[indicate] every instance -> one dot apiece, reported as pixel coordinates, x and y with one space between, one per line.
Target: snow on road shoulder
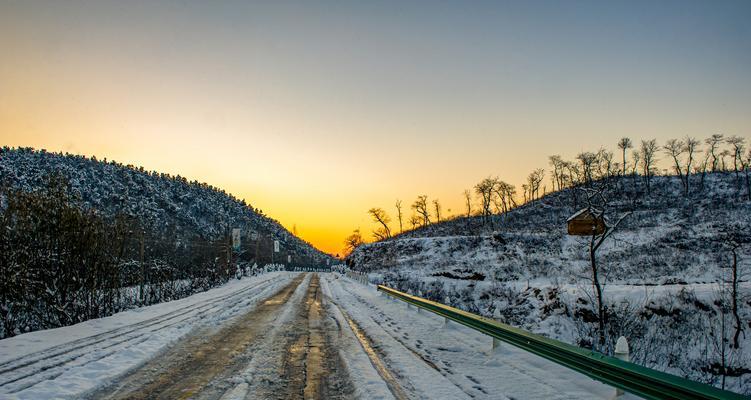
21 345
416 376
367 382
463 357
67 362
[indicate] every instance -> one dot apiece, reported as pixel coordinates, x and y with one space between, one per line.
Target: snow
70 361
464 363
158 199
368 384
424 357
151 230
266 351
665 272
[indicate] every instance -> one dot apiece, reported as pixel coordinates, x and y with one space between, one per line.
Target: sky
315 112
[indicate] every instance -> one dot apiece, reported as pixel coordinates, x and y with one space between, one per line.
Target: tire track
307 366
367 344
186 368
82 347
425 359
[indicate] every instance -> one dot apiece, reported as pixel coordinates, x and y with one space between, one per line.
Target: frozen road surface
278 336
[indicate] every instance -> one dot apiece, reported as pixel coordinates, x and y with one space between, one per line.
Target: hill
666 271
83 238
160 201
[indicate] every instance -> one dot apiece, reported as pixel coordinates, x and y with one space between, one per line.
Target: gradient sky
315 112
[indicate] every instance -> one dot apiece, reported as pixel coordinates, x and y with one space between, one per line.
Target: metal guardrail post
621 353
633 378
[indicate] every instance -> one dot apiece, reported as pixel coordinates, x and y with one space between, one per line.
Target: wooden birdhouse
586 222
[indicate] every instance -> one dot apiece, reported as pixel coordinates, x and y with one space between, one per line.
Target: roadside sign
236 238
276 246
289 259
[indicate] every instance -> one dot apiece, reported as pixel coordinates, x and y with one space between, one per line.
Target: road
286 336
282 346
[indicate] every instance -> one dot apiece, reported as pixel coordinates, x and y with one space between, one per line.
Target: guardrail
357 276
307 269
633 378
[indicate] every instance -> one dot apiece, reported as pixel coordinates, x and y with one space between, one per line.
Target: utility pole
258 242
229 253
143 272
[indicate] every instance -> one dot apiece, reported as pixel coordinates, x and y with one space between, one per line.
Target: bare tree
510 191
691 145
587 160
702 168
624 144
380 216
505 196
723 155
533 183
414 220
352 242
573 178
468 201
596 207
398 205
420 206
484 189
738 147
734 293
605 159
437 207
647 154
733 238
675 149
746 166
714 143
558 170
636 157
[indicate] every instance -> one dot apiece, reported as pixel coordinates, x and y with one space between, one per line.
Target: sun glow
315 115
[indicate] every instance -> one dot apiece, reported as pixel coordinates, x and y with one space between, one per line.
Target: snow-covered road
434 360
280 335
68 362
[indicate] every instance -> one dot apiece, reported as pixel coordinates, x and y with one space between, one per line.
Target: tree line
131 167
690 159
61 263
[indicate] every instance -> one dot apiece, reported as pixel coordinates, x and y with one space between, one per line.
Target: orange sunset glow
316 114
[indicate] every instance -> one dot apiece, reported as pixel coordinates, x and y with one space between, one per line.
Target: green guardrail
633 378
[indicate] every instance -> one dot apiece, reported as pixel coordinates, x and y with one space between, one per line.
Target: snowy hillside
158 200
83 239
666 272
